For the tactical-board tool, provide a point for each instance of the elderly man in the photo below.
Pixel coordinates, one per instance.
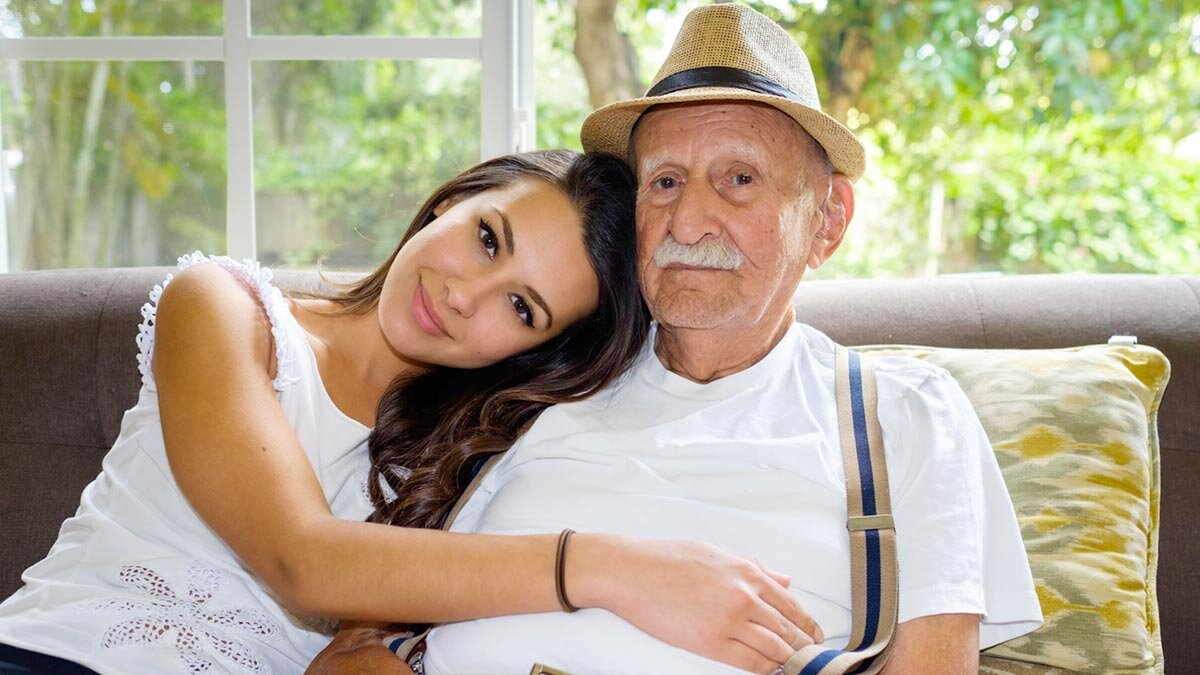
(726, 431)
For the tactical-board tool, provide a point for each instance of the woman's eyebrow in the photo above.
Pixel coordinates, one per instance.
(509, 244)
(537, 297)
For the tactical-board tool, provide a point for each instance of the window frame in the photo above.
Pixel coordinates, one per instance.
(504, 49)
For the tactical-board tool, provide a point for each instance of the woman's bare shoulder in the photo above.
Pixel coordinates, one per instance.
(206, 313)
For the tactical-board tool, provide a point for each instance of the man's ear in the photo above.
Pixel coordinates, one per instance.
(836, 214)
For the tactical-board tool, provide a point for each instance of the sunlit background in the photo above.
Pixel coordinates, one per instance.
(1002, 137)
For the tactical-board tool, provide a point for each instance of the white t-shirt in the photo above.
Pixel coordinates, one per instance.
(750, 462)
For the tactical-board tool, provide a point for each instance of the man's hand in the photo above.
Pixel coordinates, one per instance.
(358, 648)
(942, 644)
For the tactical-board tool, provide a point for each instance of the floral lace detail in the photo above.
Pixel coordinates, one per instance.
(198, 631)
(258, 279)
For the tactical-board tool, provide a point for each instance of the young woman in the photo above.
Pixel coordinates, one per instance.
(230, 508)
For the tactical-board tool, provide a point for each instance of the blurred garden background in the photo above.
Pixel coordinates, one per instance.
(1017, 137)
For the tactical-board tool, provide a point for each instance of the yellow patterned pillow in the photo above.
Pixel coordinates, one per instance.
(991, 665)
(1075, 436)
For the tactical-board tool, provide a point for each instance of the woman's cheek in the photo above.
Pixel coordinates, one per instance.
(497, 348)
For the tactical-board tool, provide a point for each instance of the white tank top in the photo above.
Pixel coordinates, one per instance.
(137, 583)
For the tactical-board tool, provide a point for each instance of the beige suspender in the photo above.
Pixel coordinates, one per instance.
(874, 585)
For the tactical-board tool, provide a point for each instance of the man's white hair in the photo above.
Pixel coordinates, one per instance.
(708, 252)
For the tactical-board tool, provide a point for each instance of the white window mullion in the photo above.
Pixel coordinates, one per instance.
(261, 48)
(360, 48)
(526, 102)
(111, 49)
(3, 202)
(497, 86)
(240, 239)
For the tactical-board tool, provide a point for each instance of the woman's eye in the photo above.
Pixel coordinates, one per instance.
(742, 179)
(488, 239)
(665, 182)
(522, 309)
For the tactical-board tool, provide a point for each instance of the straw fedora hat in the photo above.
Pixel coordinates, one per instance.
(730, 52)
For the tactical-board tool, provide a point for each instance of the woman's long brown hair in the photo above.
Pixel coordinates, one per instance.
(432, 430)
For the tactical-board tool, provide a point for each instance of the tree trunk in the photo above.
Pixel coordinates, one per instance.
(115, 184)
(79, 244)
(605, 54)
(849, 59)
(143, 235)
(85, 161)
(54, 249)
(45, 168)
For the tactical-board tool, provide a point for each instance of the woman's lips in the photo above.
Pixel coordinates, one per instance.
(425, 314)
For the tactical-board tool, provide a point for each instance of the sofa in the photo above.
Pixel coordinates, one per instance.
(68, 371)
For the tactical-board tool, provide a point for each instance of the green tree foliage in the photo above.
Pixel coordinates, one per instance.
(353, 148)
(1054, 130)
(1002, 136)
(115, 162)
(344, 151)
(357, 183)
(1017, 137)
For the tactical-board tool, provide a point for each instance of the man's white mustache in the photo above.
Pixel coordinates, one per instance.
(710, 253)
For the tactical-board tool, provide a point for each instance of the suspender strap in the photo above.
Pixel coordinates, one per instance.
(405, 645)
(874, 587)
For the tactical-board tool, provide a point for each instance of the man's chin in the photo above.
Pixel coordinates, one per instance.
(693, 310)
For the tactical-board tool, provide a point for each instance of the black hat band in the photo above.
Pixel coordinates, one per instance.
(721, 76)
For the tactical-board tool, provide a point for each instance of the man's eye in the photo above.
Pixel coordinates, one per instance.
(742, 179)
(488, 239)
(522, 309)
(665, 183)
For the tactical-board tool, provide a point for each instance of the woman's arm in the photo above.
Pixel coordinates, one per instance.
(238, 462)
(234, 455)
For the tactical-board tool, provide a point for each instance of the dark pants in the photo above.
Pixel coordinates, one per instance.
(17, 661)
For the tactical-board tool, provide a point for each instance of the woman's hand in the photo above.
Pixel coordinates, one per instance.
(692, 595)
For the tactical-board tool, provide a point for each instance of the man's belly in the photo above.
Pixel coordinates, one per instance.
(590, 641)
(781, 521)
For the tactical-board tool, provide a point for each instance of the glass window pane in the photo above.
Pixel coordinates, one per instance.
(111, 164)
(346, 151)
(367, 17)
(66, 18)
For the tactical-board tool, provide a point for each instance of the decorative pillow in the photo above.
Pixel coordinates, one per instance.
(1074, 431)
(990, 665)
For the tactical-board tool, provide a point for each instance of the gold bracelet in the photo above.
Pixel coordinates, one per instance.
(560, 564)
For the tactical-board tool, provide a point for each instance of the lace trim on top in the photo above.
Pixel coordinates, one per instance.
(255, 277)
(389, 495)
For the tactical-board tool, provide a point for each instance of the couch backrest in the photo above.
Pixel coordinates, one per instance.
(68, 372)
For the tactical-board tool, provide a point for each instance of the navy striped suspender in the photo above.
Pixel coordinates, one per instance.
(874, 589)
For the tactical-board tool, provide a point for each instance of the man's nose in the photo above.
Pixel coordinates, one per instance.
(697, 213)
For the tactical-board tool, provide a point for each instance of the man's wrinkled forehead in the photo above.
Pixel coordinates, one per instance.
(648, 159)
(654, 159)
